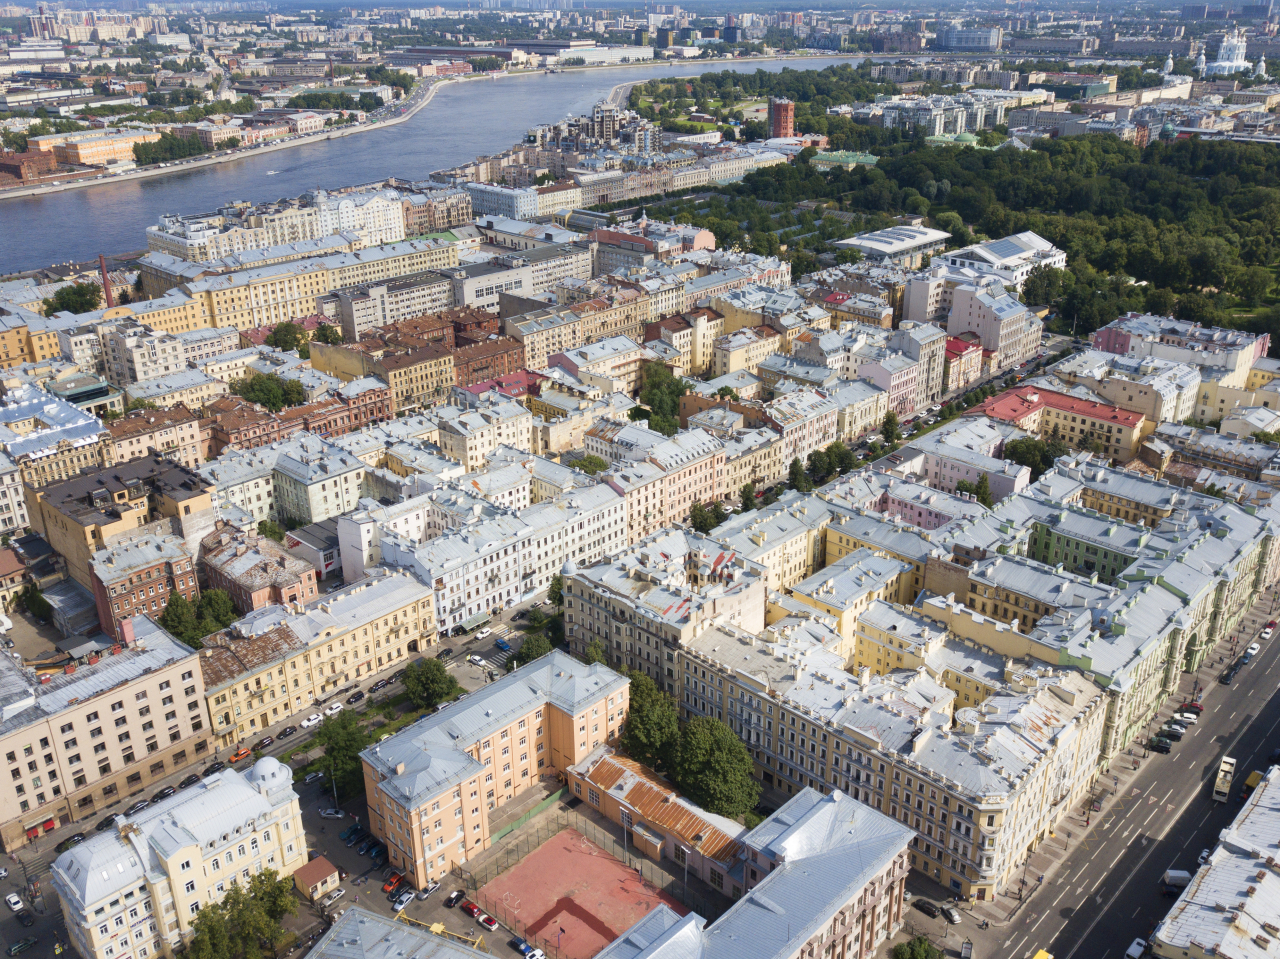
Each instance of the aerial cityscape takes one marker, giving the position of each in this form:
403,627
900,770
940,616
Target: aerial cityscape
531,479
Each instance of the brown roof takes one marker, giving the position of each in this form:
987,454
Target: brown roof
656,802
313,873
427,354
226,656
146,421
501,344
10,563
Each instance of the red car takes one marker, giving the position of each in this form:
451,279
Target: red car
471,909
392,881
1190,707
1271,625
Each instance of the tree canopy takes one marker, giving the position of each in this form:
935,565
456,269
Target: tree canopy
660,393
269,390
76,298
652,730
246,922
713,768
429,683
342,738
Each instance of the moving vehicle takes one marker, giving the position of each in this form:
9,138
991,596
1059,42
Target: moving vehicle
287,732
26,919
312,720
1176,877
1250,784
455,897
928,908
403,900
22,945
503,645
70,841
333,710
189,781
264,742
137,807
477,660
1136,950
483,633
1222,785
445,653
312,778
164,793
331,814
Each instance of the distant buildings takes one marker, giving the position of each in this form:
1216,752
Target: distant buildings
901,246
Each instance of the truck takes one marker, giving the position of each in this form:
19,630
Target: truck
1250,784
1178,878
1222,785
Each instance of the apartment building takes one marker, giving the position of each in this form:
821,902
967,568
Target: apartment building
785,538
138,575
487,360
200,345
1161,390
895,373
435,210
860,408
752,456
693,334
745,349
963,363
1082,424
78,517
175,433
469,436
806,420
164,863
641,486
13,500
432,788
546,331
1004,327
50,439
138,708
278,660
655,595
254,570
191,388
693,463
1232,352
613,364
359,309
132,352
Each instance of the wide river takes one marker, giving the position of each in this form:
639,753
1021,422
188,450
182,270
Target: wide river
462,121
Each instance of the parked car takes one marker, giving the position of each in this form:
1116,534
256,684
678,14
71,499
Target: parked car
70,841
1266,633
445,653
380,684
432,886
455,897
1136,949
951,913
331,814
312,720
354,698
1171,732
287,732
469,907
243,753
164,793
333,710
1204,856
26,918
520,946
379,857
1186,719
477,660
928,908
264,742
488,922
404,899
458,631
1254,649
14,902
312,778
106,822
393,881
22,945
333,897
1158,745
1229,674
137,807
212,768
360,835
189,781
350,831
365,846
1191,707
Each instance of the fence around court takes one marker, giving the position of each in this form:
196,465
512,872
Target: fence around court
519,844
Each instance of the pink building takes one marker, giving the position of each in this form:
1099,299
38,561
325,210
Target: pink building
806,419
693,462
898,375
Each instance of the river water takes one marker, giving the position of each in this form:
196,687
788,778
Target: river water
462,121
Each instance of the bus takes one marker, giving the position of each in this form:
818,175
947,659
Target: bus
1222,785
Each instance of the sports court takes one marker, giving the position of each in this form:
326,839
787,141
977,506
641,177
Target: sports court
570,883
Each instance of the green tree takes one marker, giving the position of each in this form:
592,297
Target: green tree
660,393
889,427
840,458
727,393
918,948
797,479
819,466
1253,284
211,937
983,492
35,603
651,734
428,683
535,646
274,893
595,653
271,530
555,591
216,605
179,618
135,405
76,298
748,496
342,739
713,768
287,336
328,333
592,465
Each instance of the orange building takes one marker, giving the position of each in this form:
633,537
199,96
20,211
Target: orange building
432,787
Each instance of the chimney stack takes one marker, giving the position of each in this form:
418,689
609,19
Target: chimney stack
106,282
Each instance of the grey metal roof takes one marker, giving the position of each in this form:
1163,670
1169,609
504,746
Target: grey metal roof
360,934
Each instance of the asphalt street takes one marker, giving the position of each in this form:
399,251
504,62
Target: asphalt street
1108,891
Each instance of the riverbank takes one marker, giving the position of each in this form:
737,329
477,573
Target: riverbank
195,164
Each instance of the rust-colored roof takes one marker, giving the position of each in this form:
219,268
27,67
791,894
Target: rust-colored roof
657,803
313,873
148,421
10,563
226,657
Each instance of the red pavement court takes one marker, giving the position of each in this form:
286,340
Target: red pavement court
570,883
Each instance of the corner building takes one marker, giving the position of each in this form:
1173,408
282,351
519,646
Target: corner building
431,787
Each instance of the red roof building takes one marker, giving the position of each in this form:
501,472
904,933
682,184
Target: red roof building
1112,431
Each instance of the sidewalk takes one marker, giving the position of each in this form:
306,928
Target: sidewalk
1115,782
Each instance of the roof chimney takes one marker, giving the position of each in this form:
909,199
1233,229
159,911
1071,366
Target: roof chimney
126,631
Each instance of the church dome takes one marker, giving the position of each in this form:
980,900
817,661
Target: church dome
269,773
966,138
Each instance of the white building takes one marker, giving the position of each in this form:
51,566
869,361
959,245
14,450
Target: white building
514,203
1011,258
903,246
1002,324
